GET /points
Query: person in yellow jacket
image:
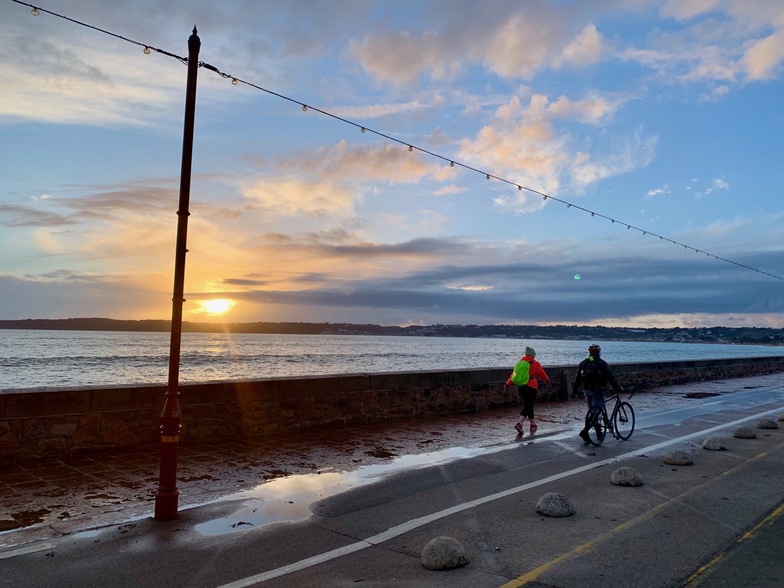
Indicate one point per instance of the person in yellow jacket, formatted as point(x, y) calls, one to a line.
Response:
point(528, 390)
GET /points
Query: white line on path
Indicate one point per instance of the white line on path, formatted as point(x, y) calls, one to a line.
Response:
point(398, 530)
point(25, 550)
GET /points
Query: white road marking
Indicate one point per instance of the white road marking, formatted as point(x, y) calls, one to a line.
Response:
point(398, 530)
point(25, 550)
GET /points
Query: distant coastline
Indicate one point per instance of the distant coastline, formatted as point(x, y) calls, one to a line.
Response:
point(736, 335)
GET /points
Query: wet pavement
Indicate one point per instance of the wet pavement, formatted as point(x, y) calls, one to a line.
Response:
point(46, 498)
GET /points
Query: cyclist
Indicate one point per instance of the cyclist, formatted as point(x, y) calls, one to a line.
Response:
point(593, 374)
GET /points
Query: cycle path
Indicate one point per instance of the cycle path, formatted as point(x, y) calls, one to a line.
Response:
point(653, 535)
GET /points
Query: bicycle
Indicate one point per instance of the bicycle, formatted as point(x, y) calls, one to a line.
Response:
point(620, 422)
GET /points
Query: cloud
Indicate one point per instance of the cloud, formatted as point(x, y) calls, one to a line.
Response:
point(294, 196)
point(361, 162)
point(512, 42)
point(715, 185)
point(686, 9)
point(369, 111)
point(76, 83)
point(12, 215)
point(665, 189)
point(587, 48)
point(450, 190)
point(763, 58)
point(492, 292)
point(523, 143)
point(400, 57)
point(425, 221)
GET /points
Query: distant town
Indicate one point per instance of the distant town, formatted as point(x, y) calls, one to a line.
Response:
point(737, 335)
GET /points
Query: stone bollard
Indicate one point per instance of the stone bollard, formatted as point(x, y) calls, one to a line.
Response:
point(744, 433)
point(443, 553)
point(767, 424)
point(626, 476)
point(714, 444)
point(554, 504)
point(678, 457)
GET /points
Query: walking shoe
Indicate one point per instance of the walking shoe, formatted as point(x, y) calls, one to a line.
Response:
point(534, 426)
point(584, 436)
point(519, 427)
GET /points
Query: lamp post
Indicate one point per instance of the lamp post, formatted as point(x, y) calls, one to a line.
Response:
point(167, 495)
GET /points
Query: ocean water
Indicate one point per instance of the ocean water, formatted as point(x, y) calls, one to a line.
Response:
point(32, 359)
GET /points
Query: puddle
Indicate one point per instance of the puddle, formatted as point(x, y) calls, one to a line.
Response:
point(287, 499)
point(23, 519)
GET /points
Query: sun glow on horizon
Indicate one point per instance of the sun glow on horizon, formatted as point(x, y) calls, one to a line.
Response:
point(216, 306)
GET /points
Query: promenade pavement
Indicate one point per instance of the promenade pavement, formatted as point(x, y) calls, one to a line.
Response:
point(47, 498)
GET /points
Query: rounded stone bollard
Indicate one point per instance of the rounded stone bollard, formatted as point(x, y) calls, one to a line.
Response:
point(767, 424)
point(443, 553)
point(626, 476)
point(744, 433)
point(678, 457)
point(714, 444)
point(554, 504)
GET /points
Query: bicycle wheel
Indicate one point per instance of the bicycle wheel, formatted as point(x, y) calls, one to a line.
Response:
point(596, 424)
point(624, 420)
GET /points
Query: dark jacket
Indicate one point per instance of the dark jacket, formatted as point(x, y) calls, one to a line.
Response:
point(593, 373)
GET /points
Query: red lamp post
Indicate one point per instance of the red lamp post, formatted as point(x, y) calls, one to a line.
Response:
point(167, 495)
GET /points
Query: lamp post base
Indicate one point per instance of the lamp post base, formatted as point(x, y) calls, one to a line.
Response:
point(166, 505)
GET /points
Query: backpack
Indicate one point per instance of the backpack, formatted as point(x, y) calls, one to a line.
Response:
point(521, 373)
point(593, 374)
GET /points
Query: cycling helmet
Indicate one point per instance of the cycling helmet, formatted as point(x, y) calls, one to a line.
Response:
point(594, 350)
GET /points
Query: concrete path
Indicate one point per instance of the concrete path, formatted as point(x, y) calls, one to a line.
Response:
point(701, 524)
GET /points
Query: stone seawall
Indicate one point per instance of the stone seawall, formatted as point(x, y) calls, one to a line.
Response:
point(68, 421)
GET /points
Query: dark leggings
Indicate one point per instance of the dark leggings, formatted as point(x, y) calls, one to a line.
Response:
point(527, 395)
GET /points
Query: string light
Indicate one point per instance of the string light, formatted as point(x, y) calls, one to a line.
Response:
point(235, 80)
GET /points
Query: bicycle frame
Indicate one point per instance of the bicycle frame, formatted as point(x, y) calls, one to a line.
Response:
point(620, 422)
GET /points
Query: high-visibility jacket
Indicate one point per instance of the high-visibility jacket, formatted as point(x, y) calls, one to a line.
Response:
point(536, 375)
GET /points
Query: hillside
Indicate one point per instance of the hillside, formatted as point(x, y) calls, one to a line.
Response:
point(740, 335)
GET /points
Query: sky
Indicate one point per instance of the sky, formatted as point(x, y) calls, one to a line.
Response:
point(662, 118)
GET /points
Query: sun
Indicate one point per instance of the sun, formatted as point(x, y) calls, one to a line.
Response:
point(216, 306)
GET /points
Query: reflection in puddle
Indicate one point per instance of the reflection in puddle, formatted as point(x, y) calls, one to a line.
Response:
point(287, 499)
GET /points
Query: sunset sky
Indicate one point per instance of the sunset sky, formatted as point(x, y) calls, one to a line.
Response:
point(665, 116)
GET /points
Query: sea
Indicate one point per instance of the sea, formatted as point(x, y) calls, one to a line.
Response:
point(42, 359)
